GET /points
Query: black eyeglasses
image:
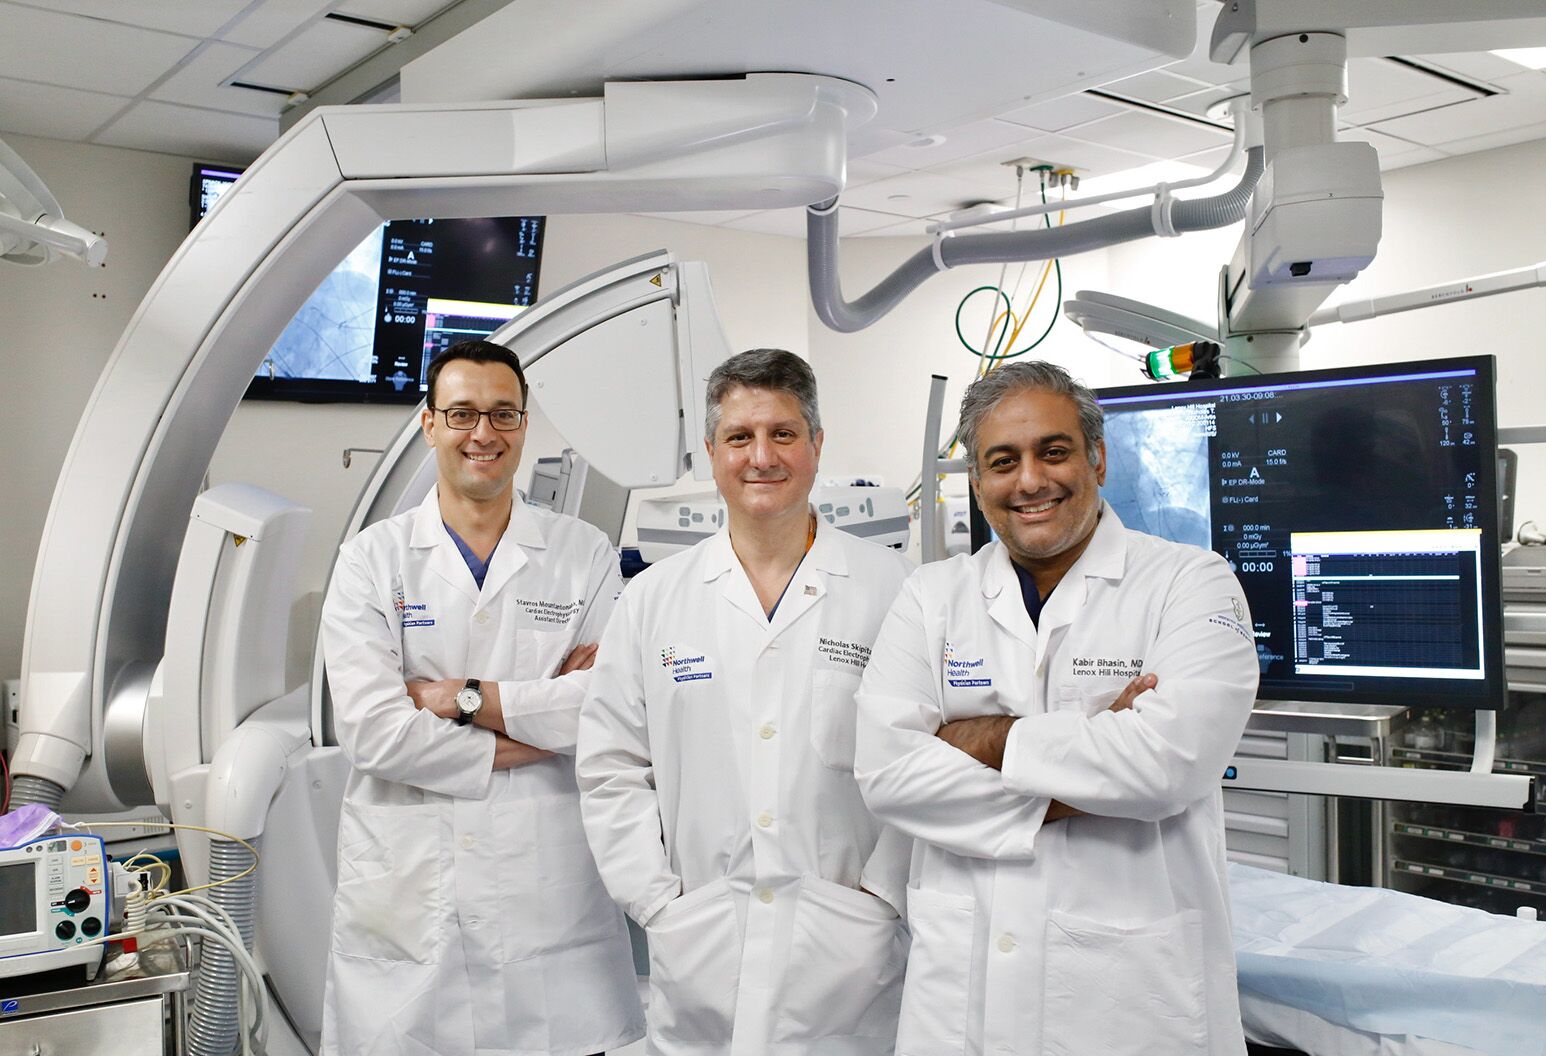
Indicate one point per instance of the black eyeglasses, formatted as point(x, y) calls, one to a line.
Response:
point(465, 419)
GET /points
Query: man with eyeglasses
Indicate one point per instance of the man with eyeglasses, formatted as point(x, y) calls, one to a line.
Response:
point(469, 916)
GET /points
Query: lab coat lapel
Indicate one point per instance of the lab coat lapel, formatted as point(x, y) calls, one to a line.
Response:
point(720, 562)
point(1104, 558)
point(445, 560)
point(809, 584)
point(1001, 590)
point(510, 556)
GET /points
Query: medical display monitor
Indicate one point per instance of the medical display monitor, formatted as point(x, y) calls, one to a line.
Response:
point(1358, 507)
point(209, 182)
point(406, 293)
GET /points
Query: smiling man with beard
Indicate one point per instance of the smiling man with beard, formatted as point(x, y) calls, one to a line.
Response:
point(1049, 718)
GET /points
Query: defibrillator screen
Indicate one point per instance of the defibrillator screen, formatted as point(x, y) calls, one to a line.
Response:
point(18, 899)
point(1358, 507)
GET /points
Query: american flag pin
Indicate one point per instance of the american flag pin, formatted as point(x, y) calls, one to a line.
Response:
point(810, 591)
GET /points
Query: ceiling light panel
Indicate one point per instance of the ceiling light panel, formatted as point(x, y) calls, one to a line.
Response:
point(314, 56)
point(1529, 58)
point(103, 56)
point(1477, 65)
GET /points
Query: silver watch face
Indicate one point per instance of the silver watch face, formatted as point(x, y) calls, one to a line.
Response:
point(468, 700)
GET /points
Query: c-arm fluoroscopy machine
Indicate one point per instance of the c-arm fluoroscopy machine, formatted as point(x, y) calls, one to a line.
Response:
point(141, 680)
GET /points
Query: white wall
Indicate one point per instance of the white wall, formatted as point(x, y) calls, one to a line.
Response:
point(1445, 220)
point(62, 321)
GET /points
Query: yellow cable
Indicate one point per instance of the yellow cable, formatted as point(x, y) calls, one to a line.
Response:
point(192, 828)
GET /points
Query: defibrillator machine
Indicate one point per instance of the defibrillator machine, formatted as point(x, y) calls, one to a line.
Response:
point(55, 904)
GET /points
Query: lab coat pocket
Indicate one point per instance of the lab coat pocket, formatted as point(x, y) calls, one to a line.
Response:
point(388, 903)
point(695, 966)
point(1082, 1012)
point(934, 997)
point(539, 653)
point(833, 714)
point(844, 973)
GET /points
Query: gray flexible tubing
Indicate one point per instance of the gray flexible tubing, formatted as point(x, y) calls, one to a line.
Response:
point(28, 789)
point(1001, 247)
point(214, 1027)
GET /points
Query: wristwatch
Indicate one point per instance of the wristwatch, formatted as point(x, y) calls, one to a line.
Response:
point(469, 700)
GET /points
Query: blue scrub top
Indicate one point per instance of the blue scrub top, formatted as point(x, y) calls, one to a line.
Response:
point(478, 568)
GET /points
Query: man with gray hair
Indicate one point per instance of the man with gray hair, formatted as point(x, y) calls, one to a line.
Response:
point(1049, 718)
point(716, 755)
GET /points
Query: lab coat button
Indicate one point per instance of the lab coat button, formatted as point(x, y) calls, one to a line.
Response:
point(474, 924)
point(764, 819)
point(765, 895)
point(1006, 943)
point(767, 732)
point(469, 842)
point(481, 617)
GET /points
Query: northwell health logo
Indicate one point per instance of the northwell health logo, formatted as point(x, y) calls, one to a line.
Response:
point(962, 672)
point(685, 668)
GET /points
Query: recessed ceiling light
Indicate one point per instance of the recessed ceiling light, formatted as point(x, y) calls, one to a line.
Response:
point(1529, 58)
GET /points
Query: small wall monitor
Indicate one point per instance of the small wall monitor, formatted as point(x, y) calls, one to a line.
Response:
point(209, 182)
point(409, 291)
point(1358, 507)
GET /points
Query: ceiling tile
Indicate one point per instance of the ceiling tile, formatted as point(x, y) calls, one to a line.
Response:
point(1157, 86)
point(914, 194)
point(56, 113)
point(1478, 65)
point(191, 18)
point(967, 141)
point(1152, 134)
point(1198, 102)
point(1491, 140)
point(397, 12)
point(1523, 106)
point(988, 173)
point(198, 83)
point(709, 217)
point(104, 56)
point(1378, 90)
point(1059, 114)
point(314, 56)
point(1390, 148)
point(791, 222)
point(864, 170)
point(1198, 66)
point(269, 22)
point(209, 135)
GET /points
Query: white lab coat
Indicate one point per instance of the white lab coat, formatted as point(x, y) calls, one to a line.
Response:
point(469, 918)
point(1106, 934)
point(716, 761)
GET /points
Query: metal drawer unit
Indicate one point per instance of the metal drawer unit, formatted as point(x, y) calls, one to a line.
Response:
point(141, 1014)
